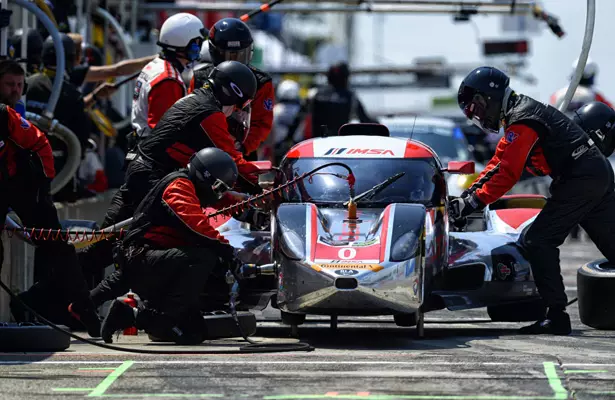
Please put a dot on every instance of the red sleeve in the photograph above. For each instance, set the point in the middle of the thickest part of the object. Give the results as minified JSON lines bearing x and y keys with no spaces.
{"x":27,"y":136}
{"x":261,"y":119}
{"x":191,"y":87}
{"x":161,"y":98}
{"x":216,"y":128}
{"x":512,"y":153}
{"x":601,"y":98}
{"x":181,"y":198}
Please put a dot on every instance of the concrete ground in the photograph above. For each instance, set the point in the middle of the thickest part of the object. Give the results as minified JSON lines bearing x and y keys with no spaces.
{"x":366,"y":359}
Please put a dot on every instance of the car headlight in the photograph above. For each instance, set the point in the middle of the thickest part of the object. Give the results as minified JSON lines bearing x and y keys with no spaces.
{"x":405,"y":247}
{"x":291,"y":244}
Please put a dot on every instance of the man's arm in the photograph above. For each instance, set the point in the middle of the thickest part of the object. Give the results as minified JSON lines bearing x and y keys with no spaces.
{"x":29,"y":137}
{"x":180,"y":197}
{"x":126,"y":67}
{"x":261,"y":119}
{"x":513,"y":151}
{"x":216,"y":128}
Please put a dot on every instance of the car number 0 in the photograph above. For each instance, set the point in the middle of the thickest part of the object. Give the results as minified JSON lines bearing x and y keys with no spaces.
{"x":347,"y":253}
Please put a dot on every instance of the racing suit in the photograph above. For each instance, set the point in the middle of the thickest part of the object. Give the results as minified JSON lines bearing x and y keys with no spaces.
{"x":191,"y":124}
{"x":70,"y":112}
{"x":26,"y":170}
{"x":157,"y":88}
{"x":258,"y":116}
{"x":543,"y":141}
{"x":333,"y":107}
{"x":166,"y":259}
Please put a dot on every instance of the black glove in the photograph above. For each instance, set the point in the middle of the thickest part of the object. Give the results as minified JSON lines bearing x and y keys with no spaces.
{"x":461,"y":207}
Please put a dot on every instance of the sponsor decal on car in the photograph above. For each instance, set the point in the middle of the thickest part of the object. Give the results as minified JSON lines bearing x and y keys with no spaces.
{"x":364,"y":244}
{"x":371,"y":267}
{"x":346,"y":150}
{"x":346,"y":272}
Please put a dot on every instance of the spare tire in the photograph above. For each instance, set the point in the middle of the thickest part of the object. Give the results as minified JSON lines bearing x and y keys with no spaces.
{"x":31,"y":337}
{"x":220,"y":324}
{"x":596,"y":294}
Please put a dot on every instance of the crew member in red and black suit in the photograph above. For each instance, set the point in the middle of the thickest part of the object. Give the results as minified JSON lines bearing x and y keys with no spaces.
{"x":231,"y":39}
{"x":26,"y":171}
{"x":195,"y":122}
{"x":542,"y":139}
{"x":170,"y":252}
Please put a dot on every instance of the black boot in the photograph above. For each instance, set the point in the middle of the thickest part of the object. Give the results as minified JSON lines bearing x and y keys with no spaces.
{"x":85,"y":313}
{"x":119,"y":317}
{"x":557,"y":322}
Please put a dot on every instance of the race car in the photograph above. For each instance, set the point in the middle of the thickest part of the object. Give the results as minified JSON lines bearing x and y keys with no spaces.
{"x":381,"y":243}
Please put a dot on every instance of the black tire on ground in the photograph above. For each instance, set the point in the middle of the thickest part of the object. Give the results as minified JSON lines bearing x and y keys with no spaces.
{"x":292,"y":319}
{"x":31,"y":337}
{"x":220,"y":325}
{"x":517,"y":312}
{"x":405,"y":319}
{"x":596,"y":294}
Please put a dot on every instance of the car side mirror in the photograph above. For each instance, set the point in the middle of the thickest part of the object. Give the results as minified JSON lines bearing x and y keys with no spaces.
{"x":460,"y":167}
{"x":263,"y":166}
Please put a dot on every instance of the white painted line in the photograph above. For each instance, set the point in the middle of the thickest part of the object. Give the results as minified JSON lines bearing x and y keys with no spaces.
{"x":285,"y":362}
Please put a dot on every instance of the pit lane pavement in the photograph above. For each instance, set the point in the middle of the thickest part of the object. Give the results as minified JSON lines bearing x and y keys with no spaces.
{"x":372,"y":359}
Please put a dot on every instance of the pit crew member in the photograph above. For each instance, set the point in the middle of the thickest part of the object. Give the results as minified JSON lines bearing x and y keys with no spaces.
{"x":585,"y":91}
{"x":26,"y":170}
{"x":160,"y":84}
{"x":542,"y":140}
{"x":231,"y":39}
{"x":170,"y":252}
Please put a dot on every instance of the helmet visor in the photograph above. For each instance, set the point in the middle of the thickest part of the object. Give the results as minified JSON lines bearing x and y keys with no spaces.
{"x":244,"y":56}
{"x":218,"y":188}
{"x":477,"y":111}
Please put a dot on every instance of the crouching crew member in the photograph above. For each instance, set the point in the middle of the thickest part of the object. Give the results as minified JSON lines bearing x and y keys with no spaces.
{"x":542,"y":140}
{"x":195,"y":122}
{"x":171,"y":250}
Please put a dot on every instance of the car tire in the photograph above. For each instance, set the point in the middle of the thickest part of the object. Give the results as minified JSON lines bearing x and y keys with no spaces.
{"x":596,"y":294}
{"x":292,"y":319}
{"x":220,"y":324}
{"x":533,"y":310}
{"x":405,"y":319}
{"x":31,"y":337}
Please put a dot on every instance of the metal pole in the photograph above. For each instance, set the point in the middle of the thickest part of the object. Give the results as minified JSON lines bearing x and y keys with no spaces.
{"x":4,"y":32}
{"x":79,"y":25}
{"x":133,"y":20}
{"x":57,"y":44}
{"x":118,"y":29}
{"x":305,"y":8}
{"x":590,"y":17}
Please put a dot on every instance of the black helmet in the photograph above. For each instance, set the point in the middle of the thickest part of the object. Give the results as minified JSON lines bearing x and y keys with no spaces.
{"x":213,"y":172}
{"x":49,"y":52}
{"x":598,"y":120}
{"x":230,"y":39}
{"x":92,"y":55}
{"x":481,"y":96}
{"x":338,"y":75}
{"x":35,"y":46}
{"x":234,"y":84}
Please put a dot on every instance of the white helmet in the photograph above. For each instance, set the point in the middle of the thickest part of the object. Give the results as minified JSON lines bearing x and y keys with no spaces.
{"x":184,"y":33}
{"x":288,"y":90}
{"x":591,"y":68}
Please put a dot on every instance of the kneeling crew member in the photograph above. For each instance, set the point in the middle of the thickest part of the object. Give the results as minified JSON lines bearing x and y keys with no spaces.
{"x":195,"y":122}
{"x":171,"y":250}
{"x":543,"y":141}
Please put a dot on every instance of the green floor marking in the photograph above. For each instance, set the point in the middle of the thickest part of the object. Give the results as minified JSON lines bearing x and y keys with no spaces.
{"x":554,"y":381}
{"x":584,"y":371}
{"x":72,"y":389}
{"x":112,"y":377}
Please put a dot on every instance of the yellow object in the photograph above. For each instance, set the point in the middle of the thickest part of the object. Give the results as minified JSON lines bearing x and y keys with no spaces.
{"x":45,"y":8}
{"x":465,"y":181}
{"x":352,"y":209}
{"x":102,"y":122}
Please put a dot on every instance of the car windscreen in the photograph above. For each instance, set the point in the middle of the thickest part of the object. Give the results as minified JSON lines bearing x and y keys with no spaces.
{"x":421,"y":182}
{"x":448,"y":143}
